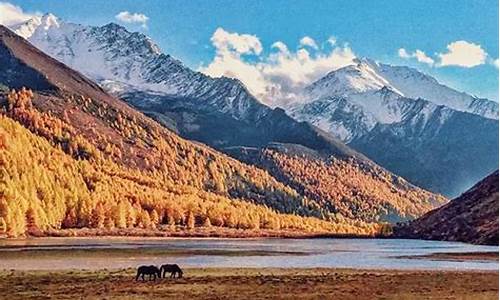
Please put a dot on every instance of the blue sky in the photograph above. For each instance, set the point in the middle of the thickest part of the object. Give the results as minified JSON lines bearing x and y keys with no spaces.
{"x":375,"y":29}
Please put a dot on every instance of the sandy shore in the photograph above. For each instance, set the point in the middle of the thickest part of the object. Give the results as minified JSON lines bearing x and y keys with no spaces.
{"x":252,"y":284}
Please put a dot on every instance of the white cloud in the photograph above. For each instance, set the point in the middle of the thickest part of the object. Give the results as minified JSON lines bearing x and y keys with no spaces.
{"x":280,"y":46}
{"x":402,"y":53}
{"x":137,"y":18}
{"x":11,"y":14}
{"x":418,"y":54}
{"x":277,"y":76}
{"x":460,"y":53}
{"x":463,"y":54}
{"x":423,"y":58}
{"x":309,"y":42}
{"x":332,"y":40}
{"x":224,"y":41}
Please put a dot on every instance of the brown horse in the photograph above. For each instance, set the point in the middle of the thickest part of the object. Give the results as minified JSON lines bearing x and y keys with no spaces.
{"x":172,"y":269}
{"x":152,"y":271}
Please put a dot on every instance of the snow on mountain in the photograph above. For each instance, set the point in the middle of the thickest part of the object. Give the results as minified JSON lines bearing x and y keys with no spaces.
{"x":123,"y":61}
{"x":374,"y":93}
{"x":368,"y":76}
{"x":350,"y":117}
{"x":334,"y":114}
{"x":414,"y":84}
{"x":406,"y":121}
{"x":219,"y":112}
{"x":349,"y":80}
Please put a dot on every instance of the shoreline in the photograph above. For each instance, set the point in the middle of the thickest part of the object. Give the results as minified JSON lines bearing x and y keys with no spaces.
{"x":198,"y":232}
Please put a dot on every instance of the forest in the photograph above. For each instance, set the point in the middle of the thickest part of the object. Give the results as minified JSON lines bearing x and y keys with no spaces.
{"x":126,"y":172}
{"x":350,"y":189}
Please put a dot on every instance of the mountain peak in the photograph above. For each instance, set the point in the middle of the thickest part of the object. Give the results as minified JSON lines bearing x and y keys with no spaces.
{"x":352,"y":79}
{"x":114,"y":27}
{"x":26,"y":66}
{"x":365,"y":61}
{"x":44,"y":23}
{"x":49,"y":19}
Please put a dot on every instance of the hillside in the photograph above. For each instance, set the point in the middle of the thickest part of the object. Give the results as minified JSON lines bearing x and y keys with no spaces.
{"x":350,"y":189}
{"x":45,"y":190}
{"x":219,"y":112}
{"x":470,"y":218}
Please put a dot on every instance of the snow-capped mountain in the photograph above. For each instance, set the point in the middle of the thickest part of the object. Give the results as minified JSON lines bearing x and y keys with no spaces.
{"x":217,"y":111}
{"x":437,"y":147}
{"x":124,"y":62}
{"x":368,"y":105}
{"x":352,"y":116}
{"x":406,"y":121}
{"x":366,"y":75}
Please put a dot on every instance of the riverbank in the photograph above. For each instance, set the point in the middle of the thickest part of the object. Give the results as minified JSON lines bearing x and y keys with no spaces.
{"x":249,"y":283}
{"x":197,"y":232}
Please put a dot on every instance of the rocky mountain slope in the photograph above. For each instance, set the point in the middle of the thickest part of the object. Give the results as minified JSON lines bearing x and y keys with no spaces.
{"x":470,"y":218}
{"x":407,"y":122}
{"x":126,"y":165}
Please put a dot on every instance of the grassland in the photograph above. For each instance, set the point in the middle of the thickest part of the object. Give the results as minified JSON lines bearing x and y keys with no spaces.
{"x":252,"y":284}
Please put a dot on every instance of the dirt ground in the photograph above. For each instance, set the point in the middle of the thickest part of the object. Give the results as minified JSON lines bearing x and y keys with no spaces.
{"x":252,"y":284}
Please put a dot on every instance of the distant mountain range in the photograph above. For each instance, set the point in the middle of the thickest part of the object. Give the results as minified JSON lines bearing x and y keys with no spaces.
{"x":471,"y":218}
{"x":90,"y":160}
{"x":217,"y":111}
{"x":406,"y":121}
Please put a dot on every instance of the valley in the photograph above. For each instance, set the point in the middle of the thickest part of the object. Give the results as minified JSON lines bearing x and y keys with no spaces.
{"x":249,"y":150}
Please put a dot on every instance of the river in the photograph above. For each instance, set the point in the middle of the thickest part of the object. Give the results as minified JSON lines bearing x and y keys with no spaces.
{"x":116,"y":253}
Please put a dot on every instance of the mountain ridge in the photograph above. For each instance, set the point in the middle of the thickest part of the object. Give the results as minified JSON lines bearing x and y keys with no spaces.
{"x":151,"y":77}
